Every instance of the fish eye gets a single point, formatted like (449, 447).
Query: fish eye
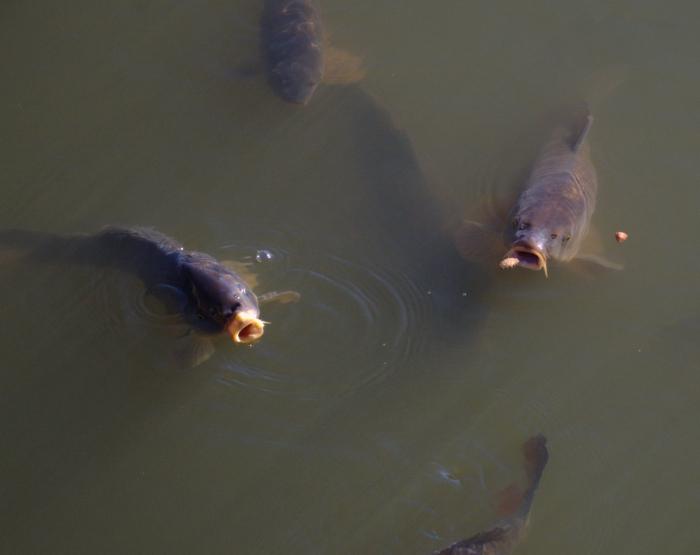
(524, 225)
(553, 235)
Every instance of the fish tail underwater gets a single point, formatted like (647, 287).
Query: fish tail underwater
(506, 534)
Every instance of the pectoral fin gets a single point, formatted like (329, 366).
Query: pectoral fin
(244, 270)
(592, 246)
(341, 67)
(282, 297)
(599, 261)
(191, 350)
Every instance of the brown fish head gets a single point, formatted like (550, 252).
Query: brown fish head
(223, 302)
(538, 237)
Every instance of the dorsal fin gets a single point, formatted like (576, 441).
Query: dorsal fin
(580, 132)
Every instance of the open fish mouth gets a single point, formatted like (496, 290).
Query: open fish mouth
(525, 257)
(246, 327)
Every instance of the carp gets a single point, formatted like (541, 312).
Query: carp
(295, 53)
(210, 296)
(506, 534)
(551, 217)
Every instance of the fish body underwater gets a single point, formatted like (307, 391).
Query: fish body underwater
(211, 297)
(291, 38)
(552, 215)
(505, 535)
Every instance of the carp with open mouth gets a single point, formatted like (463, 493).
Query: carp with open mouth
(209, 296)
(551, 218)
(552, 215)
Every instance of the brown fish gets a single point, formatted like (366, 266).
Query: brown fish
(502, 538)
(552, 215)
(296, 54)
(291, 39)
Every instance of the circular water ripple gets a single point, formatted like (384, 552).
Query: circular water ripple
(153, 332)
(355, 324)
(126, 303)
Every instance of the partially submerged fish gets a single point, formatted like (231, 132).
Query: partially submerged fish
(210, 296)
(295, 54)
(553, 213)
(506, 534)
(551, 218)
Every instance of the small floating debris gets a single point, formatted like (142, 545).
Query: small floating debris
(621, 236)
(510, 262)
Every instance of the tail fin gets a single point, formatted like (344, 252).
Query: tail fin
(536, 457)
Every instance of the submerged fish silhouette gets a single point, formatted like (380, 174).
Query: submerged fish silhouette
(507, 533)
(295, 52)
(211, 297)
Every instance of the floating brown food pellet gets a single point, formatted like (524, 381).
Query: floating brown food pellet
(510, 262)
(621, 236)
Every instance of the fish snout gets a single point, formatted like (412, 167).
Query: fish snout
(246, 327)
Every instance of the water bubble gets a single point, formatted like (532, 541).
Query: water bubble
(263, 255)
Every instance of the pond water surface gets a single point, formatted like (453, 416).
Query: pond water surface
(384, 412)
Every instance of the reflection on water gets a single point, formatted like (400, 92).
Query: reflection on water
(384, 411)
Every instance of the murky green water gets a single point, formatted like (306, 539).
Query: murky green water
(384, 412)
